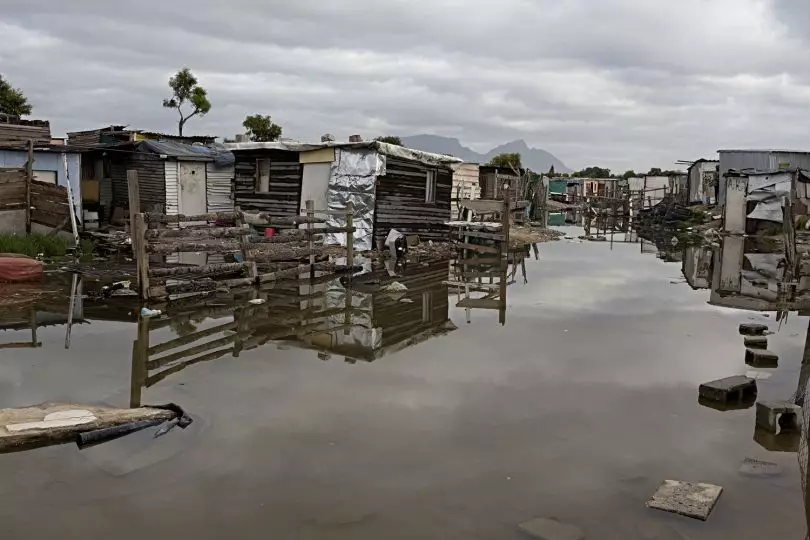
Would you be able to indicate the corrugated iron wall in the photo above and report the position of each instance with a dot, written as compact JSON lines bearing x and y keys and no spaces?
{"x":151,"y":179}
{"x":220,"y":181}
{"x":172,"y":188}
{"x":401,"y":201}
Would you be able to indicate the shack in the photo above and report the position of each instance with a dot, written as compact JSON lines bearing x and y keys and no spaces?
{"x":174,"y":177}
{"x":466,"y":185}
{"x":703,"y":181}
{"x":745,"y":161}
{"x":391,"y":187}
{"x":754,"y":200}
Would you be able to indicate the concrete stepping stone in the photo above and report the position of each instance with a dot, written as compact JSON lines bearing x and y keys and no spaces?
{"x":756,"y":342}
{"x":753,"y":329}
{"x":731,"y":389}
{"x":778,"y":416}
{"x":760,"y":358}
{"x":687,"y":499}
{"x":551,"y":529}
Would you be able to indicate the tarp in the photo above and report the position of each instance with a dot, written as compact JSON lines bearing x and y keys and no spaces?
{"x":217,"y":153}
{"x":769,"y":192}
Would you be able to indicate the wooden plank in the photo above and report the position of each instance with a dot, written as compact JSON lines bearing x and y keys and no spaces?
{"x":197,"y":232}
{"x":154,"y":379}
{"x":481,"y":234}
{"x":185,"y":340}
{"x":139,"y":250}
{"x":186,"y":271}
{"x":479,"y":303}
{"x":477,"y":247}
{"x":152,"y":217}
{"x":29,"y":178}
{"x":193,"y":247}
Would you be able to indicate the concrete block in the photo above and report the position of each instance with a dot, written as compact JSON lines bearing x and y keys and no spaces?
{"x":731,"y":389}
{"x":692,"y":500}
{"x":753,"y":329}
{"x":551,"y":529}
{"x":755,"y":467}
{"x":760,"y":358}
{"x":778,"y":416}
{"x":756,"y":342}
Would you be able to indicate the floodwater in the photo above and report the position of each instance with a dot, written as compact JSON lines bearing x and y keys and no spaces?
{"x":418,"y":424}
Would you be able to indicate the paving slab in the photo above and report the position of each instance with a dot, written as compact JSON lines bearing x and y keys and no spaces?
{"x":760,"y":358}
{"x":753,"y":329}
{"x":687,"y":499}
{"x":756,"y":342}
{"x":731,"y":389}
{"x":551,"y":529}
{"x":778,"y":416}
{"x":756,"y":467}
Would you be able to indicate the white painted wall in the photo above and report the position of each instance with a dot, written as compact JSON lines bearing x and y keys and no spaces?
{"x":315,"y":184}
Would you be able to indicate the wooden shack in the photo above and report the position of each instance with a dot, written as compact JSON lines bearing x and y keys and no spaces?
{"x":267,"y":179}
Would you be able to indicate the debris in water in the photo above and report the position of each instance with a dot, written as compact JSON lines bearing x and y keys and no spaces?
{"x":257,"y":301}
{"x":406,"y":301}
{"x":756,"y":342}
{"x":147,"y":313}
{"x":758,"y":375}
{"x":755,"y":467}
{"x":692,"y":500}
{"x":738,"y":388}
{"x":753,"y":329}
{"x":394,"y":286}
{"x":551,"y":529}
{"x":778,"y":416}
{"x":761,"y":358}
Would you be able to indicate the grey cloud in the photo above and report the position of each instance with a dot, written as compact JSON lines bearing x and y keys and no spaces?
{"x":624,"y":83}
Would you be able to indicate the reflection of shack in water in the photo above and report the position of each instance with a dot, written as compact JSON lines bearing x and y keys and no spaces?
{"x":368,"y":318}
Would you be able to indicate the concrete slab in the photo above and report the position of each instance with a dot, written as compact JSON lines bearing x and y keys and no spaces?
{"x":760,"y":358}
{"x":731,"y":389}
{"x":687,"y":499}
{"x":753,"y":329}
{"x":551,"y":529}
{"x":778,"y":416}
{"x":756,"y":342}
{"x":755,"y":467}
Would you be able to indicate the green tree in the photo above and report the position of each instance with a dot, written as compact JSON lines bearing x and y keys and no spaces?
{"x":185,"y":90}
{"x":12,"y":100}
{"x":261,"y":128}
{"x":655,"y":171}
{"x":390,"y":139}
{"x":593,"y":172}
{"x":506,"y":161}
{"x":629,"y":174}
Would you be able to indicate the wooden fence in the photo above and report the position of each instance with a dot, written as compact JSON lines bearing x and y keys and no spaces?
{"x":256,"y":259}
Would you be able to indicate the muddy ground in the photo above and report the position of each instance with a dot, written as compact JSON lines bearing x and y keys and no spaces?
{"x":577,"y":408}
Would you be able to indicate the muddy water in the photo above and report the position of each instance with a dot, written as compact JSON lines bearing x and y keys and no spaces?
{"x":577,"y":408}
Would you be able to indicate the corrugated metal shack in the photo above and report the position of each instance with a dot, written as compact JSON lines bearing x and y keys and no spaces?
{"x":391,"y":187}
{"x":173,"y":177}
{"x":703,"y":184}
{"x":744,"y":161}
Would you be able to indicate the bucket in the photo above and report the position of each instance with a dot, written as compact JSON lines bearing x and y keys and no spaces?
{"x":269,"y":232}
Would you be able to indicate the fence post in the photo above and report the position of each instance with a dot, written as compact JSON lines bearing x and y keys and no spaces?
{"x":134,"y":193}
{"x":29,"y":177}
{"x":244,"y":242}
{"x":310,"y":217}
{"x":349,"y":234}
{"x":141,"y":259}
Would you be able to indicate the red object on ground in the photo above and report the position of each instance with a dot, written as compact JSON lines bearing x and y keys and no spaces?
{"x":269,"y":231}
{"x":17,"y":269}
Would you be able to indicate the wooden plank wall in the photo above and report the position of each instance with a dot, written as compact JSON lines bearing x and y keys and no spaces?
{"x":401,"y":201}
{"x":286,"y":173}
{"x":12,"y":189}
{"x":49,"y":204}
{"x":20,"y":132}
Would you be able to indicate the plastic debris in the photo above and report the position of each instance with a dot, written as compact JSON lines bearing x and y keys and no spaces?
{"x":147,"y":313}
{"x":395,"y":286}
{"x":257,"y":301}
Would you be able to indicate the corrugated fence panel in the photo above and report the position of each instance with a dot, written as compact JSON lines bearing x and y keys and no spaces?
{"x":220,"y":180}
{"x":401,"y":201}
{"x":172,"y":188}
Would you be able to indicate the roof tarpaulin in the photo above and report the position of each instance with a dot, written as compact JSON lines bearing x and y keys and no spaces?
{"x":217,"y":153}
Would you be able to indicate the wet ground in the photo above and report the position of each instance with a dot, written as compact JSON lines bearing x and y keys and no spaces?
{"x":577,"y":408}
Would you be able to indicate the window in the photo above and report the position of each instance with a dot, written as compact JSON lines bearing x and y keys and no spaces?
{"x":262,"y":175}
{"x":430,"y":187}
{"x":45,"y":176}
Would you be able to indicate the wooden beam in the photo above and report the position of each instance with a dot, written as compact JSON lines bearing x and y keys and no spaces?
{"x":477,"y":247}
{"x":151,"y":217}
{"x":29,"y":177}
{"x":193,"y":247}
{"x":206,"y":232}
{"x":185,"y":271}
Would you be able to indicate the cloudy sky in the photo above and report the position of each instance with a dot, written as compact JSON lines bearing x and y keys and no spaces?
{"x":616,"y":83}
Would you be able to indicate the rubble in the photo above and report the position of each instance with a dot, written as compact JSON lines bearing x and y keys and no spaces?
{"x":687,"y":499}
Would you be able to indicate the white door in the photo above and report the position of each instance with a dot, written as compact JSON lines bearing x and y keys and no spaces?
{"x":192,"y":195}
{"x":192,"y":187}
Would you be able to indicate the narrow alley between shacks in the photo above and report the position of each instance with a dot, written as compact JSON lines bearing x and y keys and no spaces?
{"x":570,"y":395}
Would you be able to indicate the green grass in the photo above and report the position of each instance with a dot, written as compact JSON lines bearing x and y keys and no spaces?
{"x":49,"y":246}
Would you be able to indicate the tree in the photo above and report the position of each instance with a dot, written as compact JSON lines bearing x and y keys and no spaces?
{"x":593,"y":172}
{"x":506,"y":161}
{"x":390,"y":139}
{"x":261,"y":128}
{"x":186,"y":90}
{"x":655,"y":171}
{"x":12,"y":100}
{"x":629,"y":174}
{"x":551,"y":172}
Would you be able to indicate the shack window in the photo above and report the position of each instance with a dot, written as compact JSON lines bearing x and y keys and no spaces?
{"x":262,"y":175}
{"x":430,"y":187}
{"x":45,"y":176}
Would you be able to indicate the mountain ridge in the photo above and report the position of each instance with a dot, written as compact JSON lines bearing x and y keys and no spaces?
{"x":535,"y":159}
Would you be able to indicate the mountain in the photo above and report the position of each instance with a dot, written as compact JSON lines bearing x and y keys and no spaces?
{"x":534,"y":158}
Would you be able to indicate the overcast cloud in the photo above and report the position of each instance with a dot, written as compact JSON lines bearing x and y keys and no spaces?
{"x":617,"y":83}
